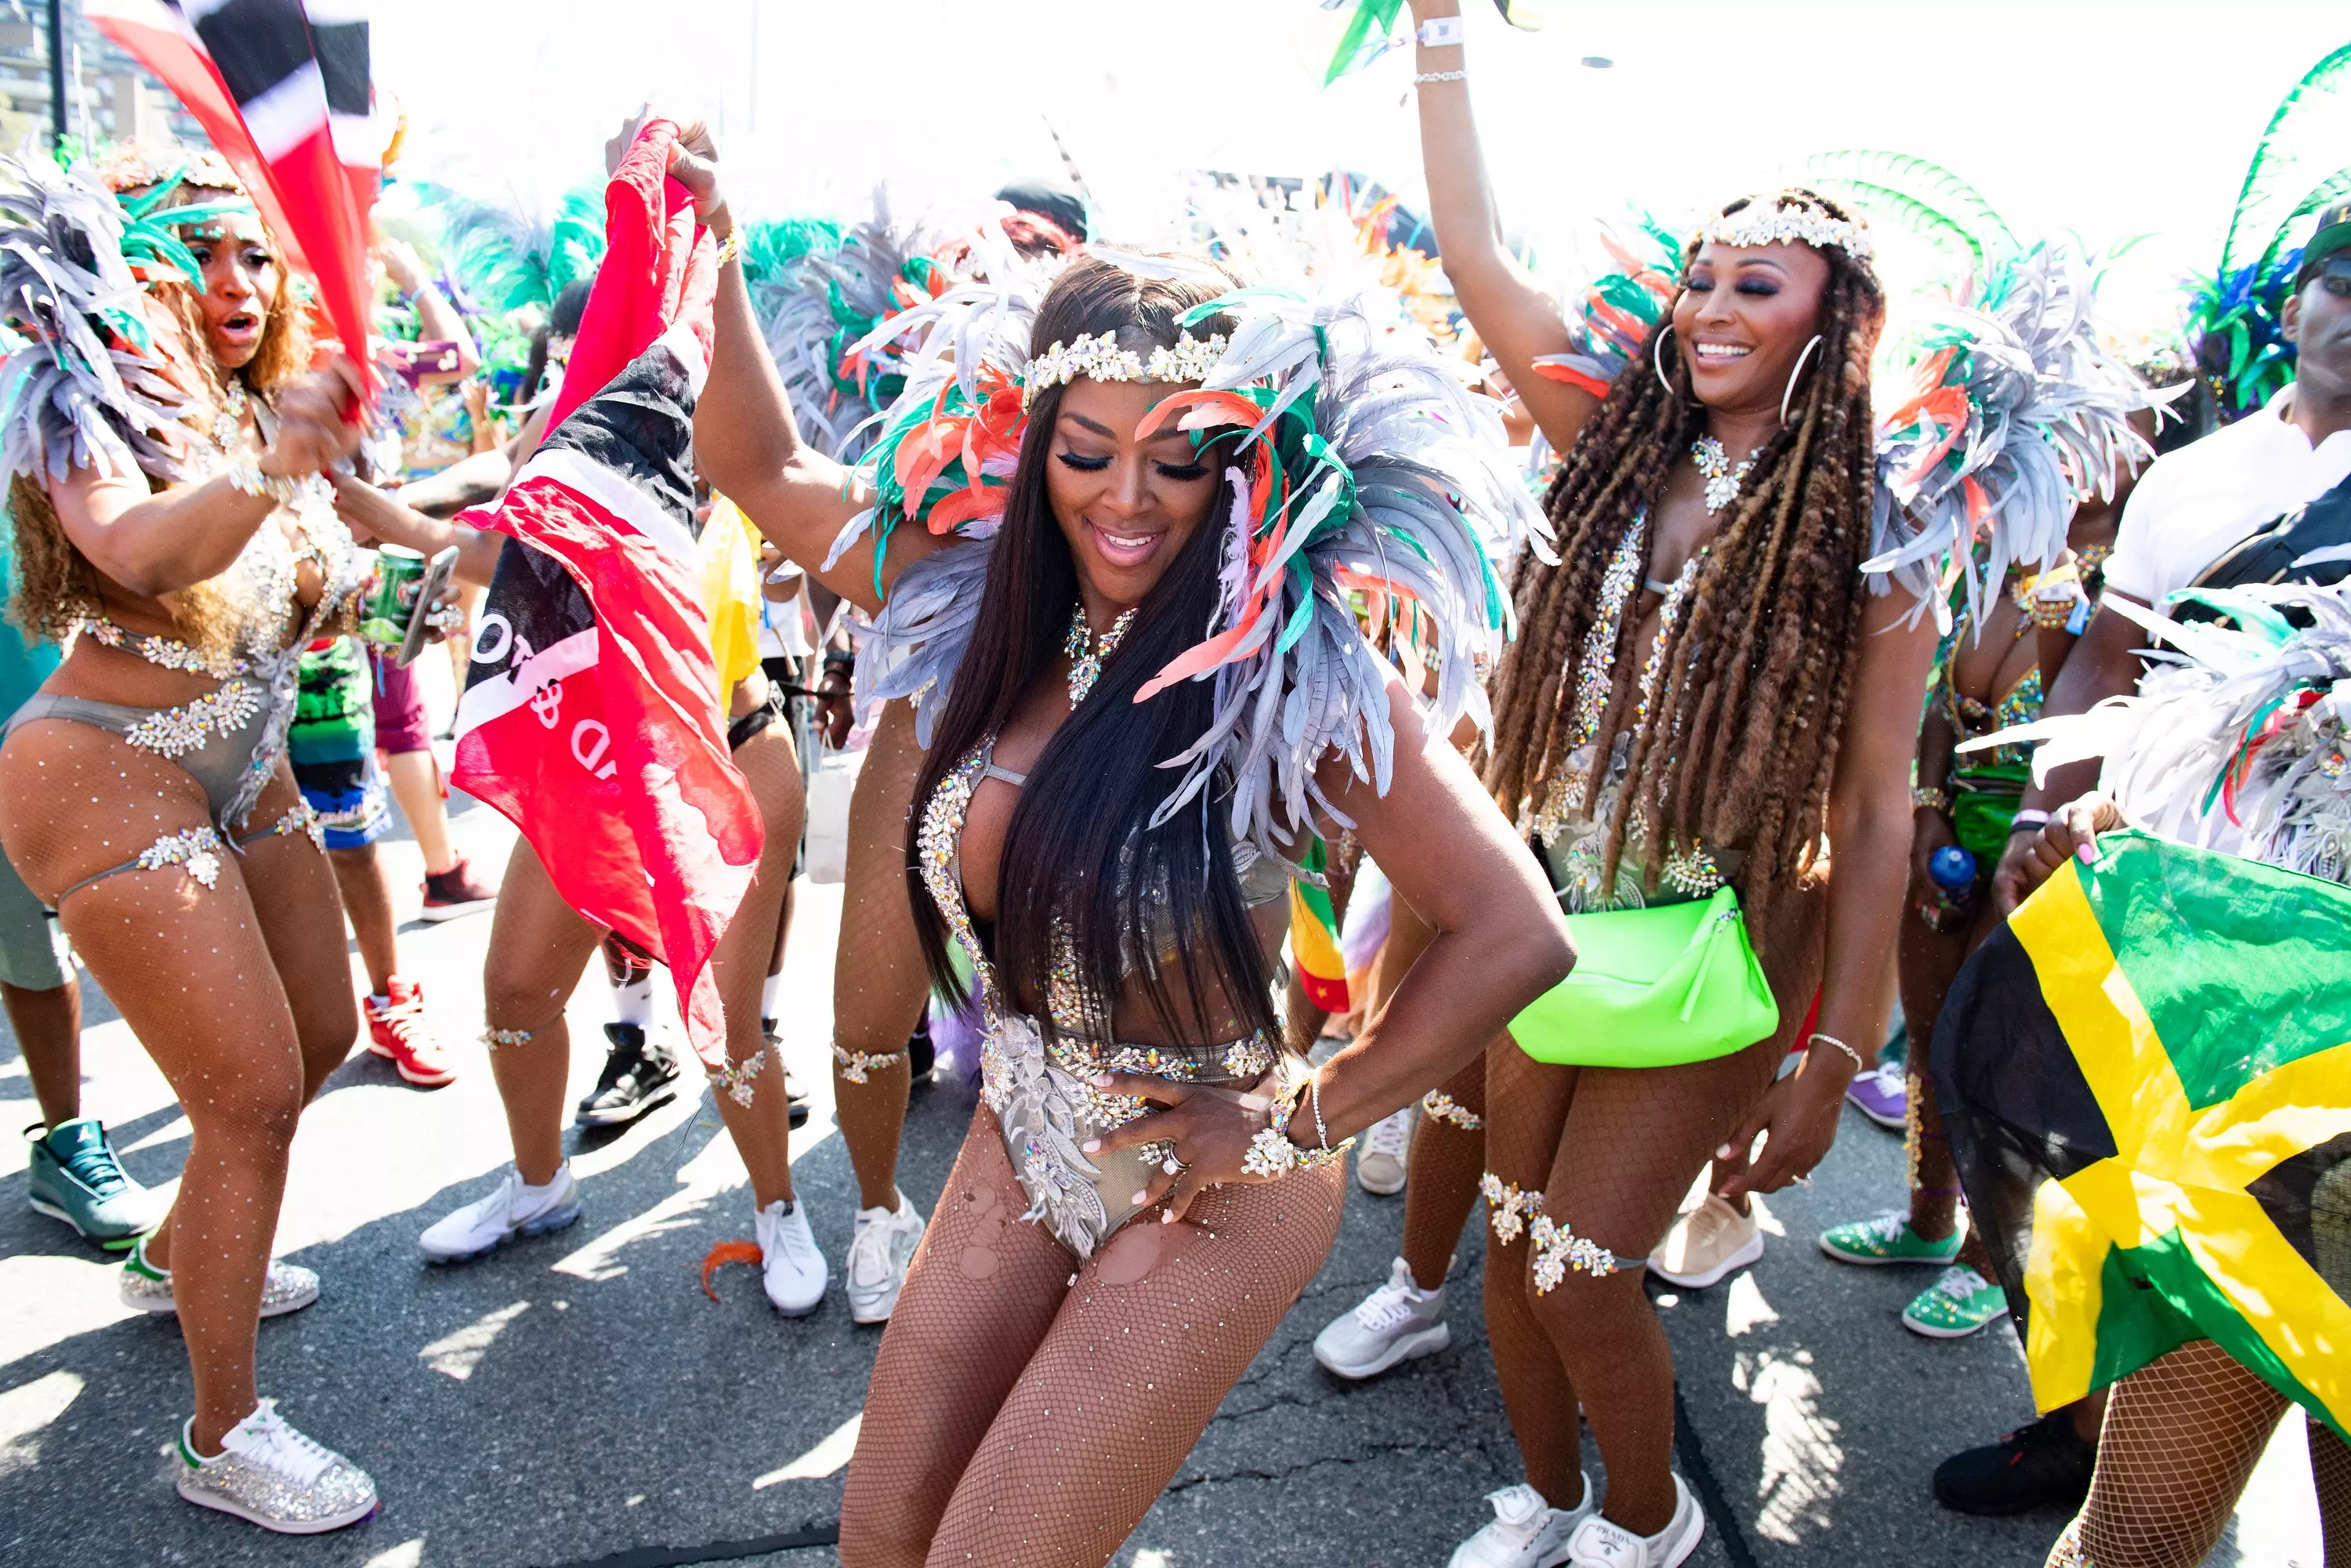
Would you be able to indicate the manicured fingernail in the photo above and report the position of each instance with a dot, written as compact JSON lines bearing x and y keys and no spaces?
{"x":1138,"y":1201}
{"x":2088,"y":852}
{"x":1167,"y":1217}
{"x":1091,"y":1146}
{"x":1102,"y":1081}
{"x":1724,"y":1152}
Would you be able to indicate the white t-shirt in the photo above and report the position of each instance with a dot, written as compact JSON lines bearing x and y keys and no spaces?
{"x":2191,"y":505}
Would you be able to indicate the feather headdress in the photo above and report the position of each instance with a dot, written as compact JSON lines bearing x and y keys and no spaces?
{"x":2239,"y":738}
{"x":1365,"y":468}
{"x":2234,"y":326}
{"x":1619,"y":309}
{"x":2017,"y":415}
{"x":823,"y":305}
{"x":88,"y":388}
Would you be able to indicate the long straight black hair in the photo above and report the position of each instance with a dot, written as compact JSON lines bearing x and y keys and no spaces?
{"x":1078,"y":850}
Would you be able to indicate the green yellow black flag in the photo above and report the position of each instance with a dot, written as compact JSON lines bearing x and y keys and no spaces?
{"x":2146,"y":1076}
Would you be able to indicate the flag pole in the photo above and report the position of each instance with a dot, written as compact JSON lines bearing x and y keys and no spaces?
{"x":56,"y":75}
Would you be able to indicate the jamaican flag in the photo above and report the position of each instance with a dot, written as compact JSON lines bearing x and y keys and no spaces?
{"x":1314,"y":937}
{"x":2145,"y":1077}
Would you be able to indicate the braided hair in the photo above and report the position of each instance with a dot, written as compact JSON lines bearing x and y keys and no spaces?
{"x":1739,"y":745}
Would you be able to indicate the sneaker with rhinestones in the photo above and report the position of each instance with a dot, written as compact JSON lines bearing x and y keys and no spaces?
{"x":639,"y":1075}
{"x":1887,"y":1238}
{"x":397,"y":1029}
{"x":71,"y":1174}
{"x":1957,"y":1304}
{"x":268,"y":1473}
{"x":1706,"y":1243}
{"x":790,"y":1265}
{"x":512,"y":1211}
{"x":1882,"y":1094}
{"x":1526,"y":1532}
{"x":285,"y":1288}
{"x":880,"y":1250}
{"x":1603,"y":1543}
{"x":1380,"y":1162}
{"x":1397,"y":1322}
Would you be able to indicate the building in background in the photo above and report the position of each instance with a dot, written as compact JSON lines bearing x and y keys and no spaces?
{"x":111,"y":99}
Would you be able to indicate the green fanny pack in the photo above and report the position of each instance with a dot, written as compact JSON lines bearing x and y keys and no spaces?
{"x":1653,"y":987}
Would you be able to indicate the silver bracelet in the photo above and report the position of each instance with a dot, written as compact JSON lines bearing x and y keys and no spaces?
{"x":245,"y":474}
{"x":1314,"y":1098}
{"x":1439,"y":76}
{"x":1858,"y":1065}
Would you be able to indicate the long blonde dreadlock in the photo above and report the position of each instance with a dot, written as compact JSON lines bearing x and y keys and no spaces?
{"x":1756,"y":672}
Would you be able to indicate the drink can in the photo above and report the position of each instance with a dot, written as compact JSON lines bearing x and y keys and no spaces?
{"x":391,"y":598}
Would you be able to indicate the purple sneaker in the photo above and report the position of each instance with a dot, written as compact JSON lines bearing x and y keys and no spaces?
{"x":1881,"y":1094}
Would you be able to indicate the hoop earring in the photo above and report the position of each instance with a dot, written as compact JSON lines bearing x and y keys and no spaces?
{"x":1658,"y":358}
{"x":1795,"y":375}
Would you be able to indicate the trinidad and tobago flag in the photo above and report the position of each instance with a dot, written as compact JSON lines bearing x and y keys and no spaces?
{"x":592,"y":715}
{"x":2146,"y":1077}
{"x":285,"y":89}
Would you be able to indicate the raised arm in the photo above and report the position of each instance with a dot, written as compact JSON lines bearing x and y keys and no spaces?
{"x":744,"y":437}
{"x":1869,"y":869}
{"x":436,"y":320}
{"x":1516,"y":319}
{"x":153,"y":543}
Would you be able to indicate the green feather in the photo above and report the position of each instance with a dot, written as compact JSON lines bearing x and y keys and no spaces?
{"x":2253,"y":228}
{"x":1929,"y":184}
{"x":1884,"y":204}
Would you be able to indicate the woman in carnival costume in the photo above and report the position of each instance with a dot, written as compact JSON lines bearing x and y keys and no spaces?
{"x":2170,"y":1201}
{"x":1101,"y":827}
{"x":2018,"y":421}
{"x":1707,"y":684}
{"x":164,"y":439}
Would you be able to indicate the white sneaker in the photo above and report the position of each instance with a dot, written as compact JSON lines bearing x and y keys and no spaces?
{"x":268,"y":1473}
{"x":1399,"y":1322}
{"x":790,"y":1264}
{"x":1600,"y":1544}
{"x":1379,"y":1165}
{"x":1709,"y":1241}
{"x":879,"y":1252}
{"x":513,"y":1210}
{"x":1527,"y":1532}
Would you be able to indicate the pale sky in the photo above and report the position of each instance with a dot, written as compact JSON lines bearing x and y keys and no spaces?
{"x":2100,"y":117}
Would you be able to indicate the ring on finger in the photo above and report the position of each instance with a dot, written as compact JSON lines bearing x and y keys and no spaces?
{"x":1174,"y":1166}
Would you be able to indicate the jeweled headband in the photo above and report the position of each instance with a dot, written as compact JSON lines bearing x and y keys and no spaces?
{"x":1100,"y":359}
{"x":1756,"y":223}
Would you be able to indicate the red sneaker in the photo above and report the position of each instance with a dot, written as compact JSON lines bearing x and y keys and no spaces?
{"x":452,"y":893}
{"x":397,"y":1029}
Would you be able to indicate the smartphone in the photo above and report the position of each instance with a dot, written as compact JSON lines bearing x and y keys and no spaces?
{"x":437,"y":572}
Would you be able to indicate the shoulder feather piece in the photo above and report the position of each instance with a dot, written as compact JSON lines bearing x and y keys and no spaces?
{"x":1367,"y":469}
{"x":2017,"y":415}
{"x":87,"y":389}
{"x":1619,"y":311}
{"x":2240,"y":739}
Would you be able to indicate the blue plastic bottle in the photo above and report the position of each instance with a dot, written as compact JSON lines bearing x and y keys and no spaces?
{"x":1952,"y":870}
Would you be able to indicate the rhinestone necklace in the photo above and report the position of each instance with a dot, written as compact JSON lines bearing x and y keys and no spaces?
{"x":1086,"y":655}
{"x":1722,"y":481}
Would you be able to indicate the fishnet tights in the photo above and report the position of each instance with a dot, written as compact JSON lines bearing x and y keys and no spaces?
{"x":1612,"y":1151}
{"x":879,"y":985}
{"x":241,"y":992}
{"x":1441,"y":1179}
{"x":2182,"y":1435}
{"x":1027,"y":1409}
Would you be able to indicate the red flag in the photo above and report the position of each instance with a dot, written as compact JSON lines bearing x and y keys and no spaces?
{"x":284,"y":92}
{"x":592,"y":714}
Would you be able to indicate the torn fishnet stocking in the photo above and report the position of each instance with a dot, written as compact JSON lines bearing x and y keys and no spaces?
{"x":1611,"y":1152}
{"x":1027,"y":1409}
{"x":2330,"y":1473}
{"x":879,"y":985}
{"x":2181,"y":1435}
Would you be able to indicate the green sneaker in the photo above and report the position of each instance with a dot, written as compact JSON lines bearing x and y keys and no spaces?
{"x":72,"y":1175}
{"x":1955,"y":1305}
{"x":1887,"y":1238}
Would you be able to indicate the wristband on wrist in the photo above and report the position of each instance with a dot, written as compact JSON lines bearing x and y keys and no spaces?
{"x":2028,"y":821}
{"x":1442,"y":33}
{"x":1817,"y":1038}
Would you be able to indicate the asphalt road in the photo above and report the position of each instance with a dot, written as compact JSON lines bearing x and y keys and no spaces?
{"x":578,"y":1399}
